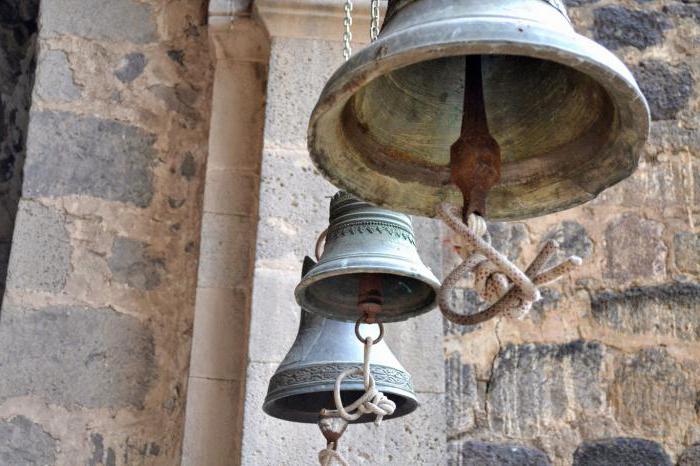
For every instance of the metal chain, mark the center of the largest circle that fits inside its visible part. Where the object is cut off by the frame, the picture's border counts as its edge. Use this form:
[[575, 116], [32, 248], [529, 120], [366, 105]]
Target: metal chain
[[347, 33], [374, 21]]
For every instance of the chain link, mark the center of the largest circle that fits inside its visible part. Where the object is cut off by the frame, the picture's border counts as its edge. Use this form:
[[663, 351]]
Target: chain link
[[374, 21], [347, 33]]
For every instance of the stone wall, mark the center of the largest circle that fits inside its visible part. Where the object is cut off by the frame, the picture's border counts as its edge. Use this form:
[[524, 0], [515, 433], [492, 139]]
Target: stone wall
[[97, 318], [96, 323], [604, 370], [17, 62]]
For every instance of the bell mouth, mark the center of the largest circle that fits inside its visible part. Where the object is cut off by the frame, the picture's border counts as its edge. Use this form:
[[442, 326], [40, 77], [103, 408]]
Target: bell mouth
[[566, 112], [334, 294], [305, 407], [404, 122]]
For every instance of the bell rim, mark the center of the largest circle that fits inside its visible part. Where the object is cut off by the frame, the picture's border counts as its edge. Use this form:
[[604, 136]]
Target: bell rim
[[339, 267], [272, 408], [373, 61]]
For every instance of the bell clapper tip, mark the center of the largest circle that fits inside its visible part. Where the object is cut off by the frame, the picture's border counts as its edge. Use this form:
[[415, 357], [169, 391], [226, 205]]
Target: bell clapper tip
[[332, 427]]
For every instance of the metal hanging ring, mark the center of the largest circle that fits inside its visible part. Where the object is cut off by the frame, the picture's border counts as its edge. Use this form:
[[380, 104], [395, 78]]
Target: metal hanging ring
[[319, 243], [363, 320]]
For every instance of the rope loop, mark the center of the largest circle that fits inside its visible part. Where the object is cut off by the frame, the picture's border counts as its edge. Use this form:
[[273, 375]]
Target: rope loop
[[371, 402], [363, 320], [498, 282]]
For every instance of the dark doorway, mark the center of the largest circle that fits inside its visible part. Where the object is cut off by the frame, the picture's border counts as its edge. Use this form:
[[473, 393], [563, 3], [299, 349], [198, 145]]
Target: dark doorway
[[18, 31]]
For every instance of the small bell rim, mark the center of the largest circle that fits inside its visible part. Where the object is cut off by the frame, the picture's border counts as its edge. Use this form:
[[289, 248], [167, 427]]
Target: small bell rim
[[532, 40], [331, 269], [272, 407]]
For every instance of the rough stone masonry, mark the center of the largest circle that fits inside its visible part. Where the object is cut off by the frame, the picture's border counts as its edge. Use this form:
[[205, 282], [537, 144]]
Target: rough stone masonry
[[104, 118], [96, 321], [606, 368]]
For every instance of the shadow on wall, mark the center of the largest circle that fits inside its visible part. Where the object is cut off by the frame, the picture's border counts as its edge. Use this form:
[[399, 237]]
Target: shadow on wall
[[18, 29]]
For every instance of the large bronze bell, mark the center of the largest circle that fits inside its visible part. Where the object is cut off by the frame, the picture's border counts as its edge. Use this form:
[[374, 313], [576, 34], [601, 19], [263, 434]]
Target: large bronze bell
[[567, 114], [303, 383], [369, 265]]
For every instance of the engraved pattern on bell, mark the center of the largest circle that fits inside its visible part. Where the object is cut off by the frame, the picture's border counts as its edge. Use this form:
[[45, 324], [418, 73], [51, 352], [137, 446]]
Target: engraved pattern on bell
[[364, 240], [567, 114], [327, 373], [372, 226]]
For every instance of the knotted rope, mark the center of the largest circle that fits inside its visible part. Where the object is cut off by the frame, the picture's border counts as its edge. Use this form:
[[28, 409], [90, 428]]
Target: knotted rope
[[371, 402], [497, 281]]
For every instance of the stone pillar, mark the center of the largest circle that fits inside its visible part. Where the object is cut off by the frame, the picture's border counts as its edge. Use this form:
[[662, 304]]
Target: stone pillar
[[294, 201], [240, 48], [96, 324]]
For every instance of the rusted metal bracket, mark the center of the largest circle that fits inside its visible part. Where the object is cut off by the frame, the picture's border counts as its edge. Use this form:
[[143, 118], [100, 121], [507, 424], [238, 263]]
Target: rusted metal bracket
[[475, 158]]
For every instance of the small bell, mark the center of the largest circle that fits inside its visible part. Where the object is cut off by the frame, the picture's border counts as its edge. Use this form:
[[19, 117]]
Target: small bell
[[369, 264], [303, 384], [567, 114]]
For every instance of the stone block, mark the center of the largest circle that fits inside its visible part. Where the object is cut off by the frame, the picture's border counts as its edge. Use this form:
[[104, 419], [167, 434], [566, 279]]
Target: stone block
[[274, 314], [550, 302], [468, 302], [220, 340], [617, 26], [634, 249], [130, 67], [70, 154], [657, 185], [299, 68], [239, 89], [461, 395], [508, 238], [294, 203], [666, 87], [76, 357], [573, 239], [213, 423], [669, 137], [619, 451], [23, 442], [41, 251], [132, 263], [418, 438], [54, 77], [109, 20], [225, 255], [107, 456], [653, 393], [181, 99], [428, 233], [686, 251], [231, 192], [690, 457], [578, 3], [475, 453], [535, 385], [670, 309], [686, 9], [417, 343]]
